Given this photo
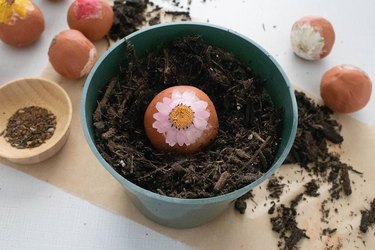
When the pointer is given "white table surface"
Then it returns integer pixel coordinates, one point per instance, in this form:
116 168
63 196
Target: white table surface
37 215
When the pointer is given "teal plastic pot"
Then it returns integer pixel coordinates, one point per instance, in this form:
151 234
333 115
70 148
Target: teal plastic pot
177 212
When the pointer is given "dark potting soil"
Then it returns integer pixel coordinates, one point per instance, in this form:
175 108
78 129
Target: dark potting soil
128 17
310 151
249 124
131 15
367 218
285 224
275 187
316 126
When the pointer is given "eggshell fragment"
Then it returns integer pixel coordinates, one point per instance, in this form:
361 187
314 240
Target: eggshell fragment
312 37
72 54
159 136
345 88
21 23
92 17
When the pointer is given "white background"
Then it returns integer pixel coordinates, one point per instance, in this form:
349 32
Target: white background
36 215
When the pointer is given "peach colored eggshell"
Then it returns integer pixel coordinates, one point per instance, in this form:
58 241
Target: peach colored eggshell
158 140
93 28
24 31
345 89
325 28
69 53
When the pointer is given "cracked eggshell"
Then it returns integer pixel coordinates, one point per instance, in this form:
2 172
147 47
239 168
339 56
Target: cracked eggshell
92 17
345 88
158 140
312 37
71 54
21 31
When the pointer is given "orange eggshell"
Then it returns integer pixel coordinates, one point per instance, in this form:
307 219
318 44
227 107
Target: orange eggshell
72 54
24 31
158 140
345 89
93 28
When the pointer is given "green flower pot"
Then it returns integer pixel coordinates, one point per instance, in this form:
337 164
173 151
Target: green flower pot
177 212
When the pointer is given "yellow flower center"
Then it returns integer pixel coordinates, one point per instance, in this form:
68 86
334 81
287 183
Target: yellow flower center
12 8
181 117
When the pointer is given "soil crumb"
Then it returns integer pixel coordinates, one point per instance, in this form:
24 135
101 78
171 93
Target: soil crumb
285 224
249 130
275 187
311 188
367 218
240 204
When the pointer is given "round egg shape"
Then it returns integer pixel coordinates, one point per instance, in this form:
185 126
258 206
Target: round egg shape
345 88
181 119
71 54
21 24
92 17
312 37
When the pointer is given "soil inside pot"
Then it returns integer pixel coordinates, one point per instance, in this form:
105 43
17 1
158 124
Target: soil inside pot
249 123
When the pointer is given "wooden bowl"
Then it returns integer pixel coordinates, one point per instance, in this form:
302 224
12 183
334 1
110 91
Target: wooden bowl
34 92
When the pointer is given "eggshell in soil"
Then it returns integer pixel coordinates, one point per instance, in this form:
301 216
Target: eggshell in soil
158 140
345 88
23 31
312 38
71 54
92 17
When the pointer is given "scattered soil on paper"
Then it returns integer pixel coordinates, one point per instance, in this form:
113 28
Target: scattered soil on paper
131 15
249 131
310 151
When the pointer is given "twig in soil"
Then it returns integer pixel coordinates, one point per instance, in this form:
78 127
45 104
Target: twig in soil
102 103
221 182
256 153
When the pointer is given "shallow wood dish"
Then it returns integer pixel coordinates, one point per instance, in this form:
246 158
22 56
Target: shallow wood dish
35 92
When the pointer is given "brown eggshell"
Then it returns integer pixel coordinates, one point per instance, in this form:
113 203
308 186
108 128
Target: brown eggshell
158 140
345 89
72 54
93 28
24 31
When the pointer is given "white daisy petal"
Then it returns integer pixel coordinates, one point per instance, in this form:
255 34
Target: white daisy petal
202 114
160 126
171 137
199 106
192 134
160 117
200 123
181 138
163 108
176 95
168 101
188 95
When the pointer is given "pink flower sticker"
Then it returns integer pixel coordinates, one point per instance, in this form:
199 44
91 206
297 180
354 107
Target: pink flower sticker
182 119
